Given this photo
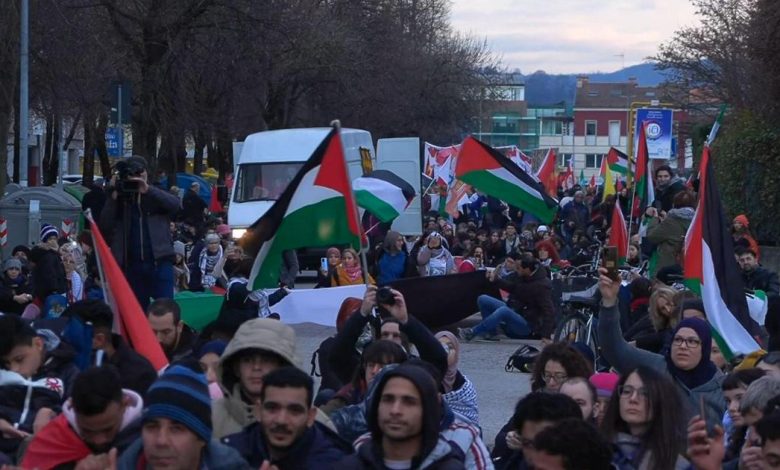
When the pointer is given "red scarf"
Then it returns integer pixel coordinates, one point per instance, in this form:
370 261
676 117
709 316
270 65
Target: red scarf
56 444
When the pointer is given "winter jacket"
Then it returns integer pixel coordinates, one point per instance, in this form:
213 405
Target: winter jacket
318 447
231 413
59 445
762 279
156 209
187 340
531 297
445 456
135 371
577 213
392 266
440 264
192 208
10 288
625 358
669 235
48 276
215 456
664 196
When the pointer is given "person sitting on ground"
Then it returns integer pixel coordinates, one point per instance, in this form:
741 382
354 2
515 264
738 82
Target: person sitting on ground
584 393
644 423
434 259
494 249
208 358
529 308
208 259
755 276
393 260
605 384
343 357
552 448
181 273
136 373
533 413
98 417
473 260
36 376
459 392
557 363
768 429
350 271
286 434
663 314
176 337
22 253
740 231
15 290
687 362
404 421
176 428
48 274
242 302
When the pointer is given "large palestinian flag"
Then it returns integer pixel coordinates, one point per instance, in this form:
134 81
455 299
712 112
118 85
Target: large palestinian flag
644 182
711 270
383 193
492 173
317 209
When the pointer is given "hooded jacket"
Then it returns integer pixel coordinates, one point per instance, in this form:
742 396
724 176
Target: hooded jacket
215 456
135 371
59 445
231 413
668 236
531 297
318 447
444 456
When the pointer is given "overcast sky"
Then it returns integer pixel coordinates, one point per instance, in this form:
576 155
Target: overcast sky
572 36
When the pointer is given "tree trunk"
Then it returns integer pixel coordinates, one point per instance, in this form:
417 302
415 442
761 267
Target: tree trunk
89 150
100 146
47 149
197 161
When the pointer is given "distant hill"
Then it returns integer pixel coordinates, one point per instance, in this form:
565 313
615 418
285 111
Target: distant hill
544 89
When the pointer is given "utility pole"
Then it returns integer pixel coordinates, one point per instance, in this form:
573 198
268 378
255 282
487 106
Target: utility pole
24 92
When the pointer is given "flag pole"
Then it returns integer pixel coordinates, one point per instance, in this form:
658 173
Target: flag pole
336 124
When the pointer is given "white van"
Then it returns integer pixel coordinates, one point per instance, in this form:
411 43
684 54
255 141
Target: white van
269 160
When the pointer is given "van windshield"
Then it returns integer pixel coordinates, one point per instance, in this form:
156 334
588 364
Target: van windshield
264 181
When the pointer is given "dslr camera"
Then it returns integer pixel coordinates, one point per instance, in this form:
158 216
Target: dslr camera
384 296
124 170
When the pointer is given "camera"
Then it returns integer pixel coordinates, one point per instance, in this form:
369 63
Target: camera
384 296
124 170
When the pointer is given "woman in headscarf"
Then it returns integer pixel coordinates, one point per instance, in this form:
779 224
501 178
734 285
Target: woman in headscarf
350 272
434 259
459 392
393 260
325 276
687 361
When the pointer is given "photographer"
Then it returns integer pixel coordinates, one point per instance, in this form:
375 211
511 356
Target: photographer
136 221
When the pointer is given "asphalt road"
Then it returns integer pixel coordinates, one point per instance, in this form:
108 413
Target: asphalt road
482 363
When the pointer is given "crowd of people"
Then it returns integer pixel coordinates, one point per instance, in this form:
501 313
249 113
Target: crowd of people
391 393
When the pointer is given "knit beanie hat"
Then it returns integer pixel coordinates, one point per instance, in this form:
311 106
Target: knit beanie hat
12 263
48 230
181 395
742 219
179 248
605 383
212 238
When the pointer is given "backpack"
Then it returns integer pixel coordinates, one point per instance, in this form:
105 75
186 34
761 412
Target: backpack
522 360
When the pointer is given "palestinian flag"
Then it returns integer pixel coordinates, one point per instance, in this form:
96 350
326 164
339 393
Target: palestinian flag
617 161
643 181
546 173
618 234
317 209
129 318
383 193
711 270
487 170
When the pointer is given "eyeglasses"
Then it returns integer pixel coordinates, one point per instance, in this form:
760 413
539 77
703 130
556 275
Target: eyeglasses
628 391
690 342
558 377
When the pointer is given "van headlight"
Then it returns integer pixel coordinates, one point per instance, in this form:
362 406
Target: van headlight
238 233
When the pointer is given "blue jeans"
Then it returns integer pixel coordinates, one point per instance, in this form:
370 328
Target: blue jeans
495 313
150 279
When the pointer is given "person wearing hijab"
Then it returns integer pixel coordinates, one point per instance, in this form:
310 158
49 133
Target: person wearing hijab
434 259
392 261
740 231
325 277
459 392
687 361
350 272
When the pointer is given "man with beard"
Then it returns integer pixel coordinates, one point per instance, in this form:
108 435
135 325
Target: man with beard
666 188
99 419
286 435
755 276
175 337
403 420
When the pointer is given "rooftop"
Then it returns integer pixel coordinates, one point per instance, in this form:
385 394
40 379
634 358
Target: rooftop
611 95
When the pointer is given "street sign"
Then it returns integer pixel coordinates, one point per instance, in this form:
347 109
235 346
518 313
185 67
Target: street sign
658 131
114 142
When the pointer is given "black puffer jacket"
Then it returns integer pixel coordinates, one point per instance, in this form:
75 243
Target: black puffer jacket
10 288
48 276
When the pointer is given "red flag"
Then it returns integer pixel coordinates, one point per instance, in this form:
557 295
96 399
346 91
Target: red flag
128 315
546 174
214 205
592 182
618 234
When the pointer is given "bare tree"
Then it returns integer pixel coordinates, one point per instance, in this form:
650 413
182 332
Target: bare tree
9 63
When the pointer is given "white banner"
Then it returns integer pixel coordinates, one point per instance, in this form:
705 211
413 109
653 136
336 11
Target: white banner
320 306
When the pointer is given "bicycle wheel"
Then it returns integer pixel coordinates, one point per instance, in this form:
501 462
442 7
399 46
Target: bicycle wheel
571 329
